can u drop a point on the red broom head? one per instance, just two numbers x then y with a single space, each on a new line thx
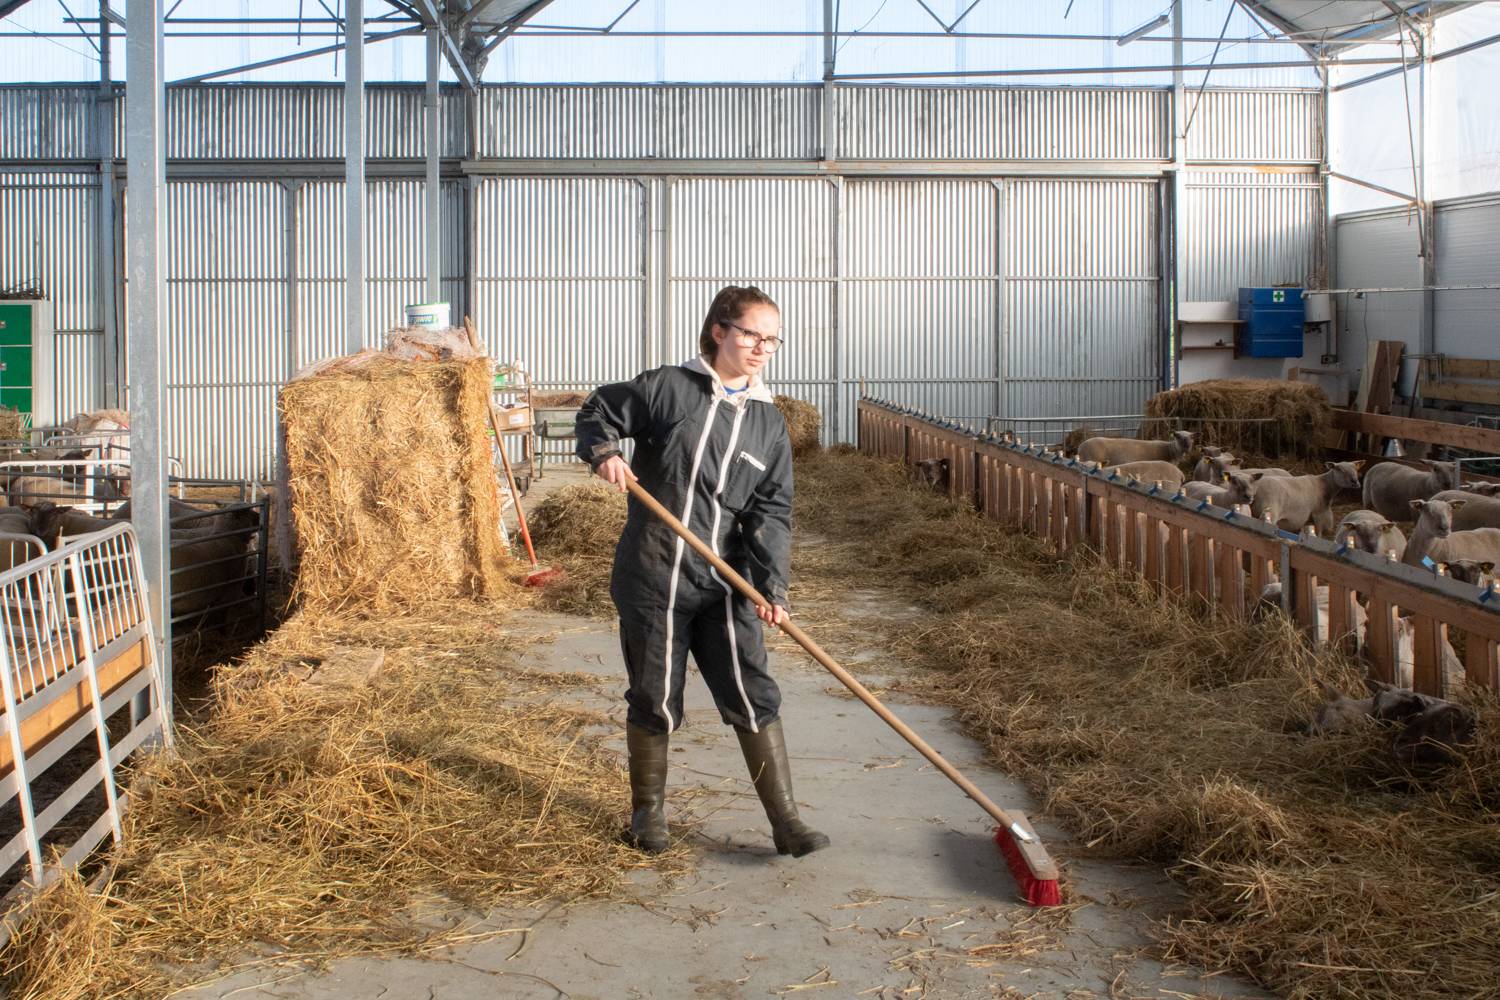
1038 891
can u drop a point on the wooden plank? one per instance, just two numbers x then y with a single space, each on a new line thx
72 706
1460 392
1381 640
1132 542
1340 617
1198 567
1382 386
1155 539
1482 439
1059 515
1481 661
1427 669
1175 550
1466 368
1305 603
1231 580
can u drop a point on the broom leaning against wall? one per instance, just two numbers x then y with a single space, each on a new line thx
711 445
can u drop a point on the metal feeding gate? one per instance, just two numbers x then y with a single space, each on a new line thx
1205 555
82 690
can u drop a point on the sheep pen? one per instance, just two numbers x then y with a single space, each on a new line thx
391 484
1158 734
303 822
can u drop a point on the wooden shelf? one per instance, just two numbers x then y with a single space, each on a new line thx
1209 347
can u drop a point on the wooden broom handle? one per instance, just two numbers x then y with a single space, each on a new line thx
861 692
500 446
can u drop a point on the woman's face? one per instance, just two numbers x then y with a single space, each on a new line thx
735 359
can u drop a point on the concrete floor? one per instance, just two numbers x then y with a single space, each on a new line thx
912 900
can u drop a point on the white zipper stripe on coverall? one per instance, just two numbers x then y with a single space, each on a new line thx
687 514
734 647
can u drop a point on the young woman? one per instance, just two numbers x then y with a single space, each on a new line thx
712 447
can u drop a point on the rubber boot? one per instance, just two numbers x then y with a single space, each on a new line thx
648 789
765 754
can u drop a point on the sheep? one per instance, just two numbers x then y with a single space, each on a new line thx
1238 489
1118 451
1271 472
933 473
1372 533
1391 487
185 515
1149 471
1470 570
208 571
52 523
1479 510
1212 467
1432 737
1270 599
1339 712
1434 538
1295 501
26 491
1406 657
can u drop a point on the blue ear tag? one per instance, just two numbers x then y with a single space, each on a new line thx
1427 561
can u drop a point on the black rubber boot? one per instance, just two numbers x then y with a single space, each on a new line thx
648 789
765 753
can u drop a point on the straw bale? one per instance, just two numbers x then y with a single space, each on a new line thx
803 424
392 486
10 424
293 828
1311 864
577 528
1299 413
558 400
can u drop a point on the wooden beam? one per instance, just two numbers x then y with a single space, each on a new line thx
1460 392
1431 431
1467 368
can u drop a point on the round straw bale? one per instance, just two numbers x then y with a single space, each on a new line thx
803 424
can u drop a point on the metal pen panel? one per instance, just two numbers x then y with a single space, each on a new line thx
1256 126
1247 228
47 123
1014 123
1082 296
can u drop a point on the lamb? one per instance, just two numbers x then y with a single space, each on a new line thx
1372 533
1434 537
1270 599
206 570
1479 510
1118 451
52 523
1406 657
931 472
1391 487
1294 501
1149 471
1212 467
1470 570
1239 489
1433 736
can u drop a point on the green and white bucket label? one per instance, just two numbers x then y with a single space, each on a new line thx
1278 296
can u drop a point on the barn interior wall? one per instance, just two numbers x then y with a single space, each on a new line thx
973 251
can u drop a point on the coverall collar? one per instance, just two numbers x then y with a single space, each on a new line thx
755 390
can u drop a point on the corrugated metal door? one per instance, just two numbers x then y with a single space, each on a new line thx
1082 297
923 287
778 234
1379 250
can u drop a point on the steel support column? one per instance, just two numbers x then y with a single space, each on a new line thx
1424 192
1179 203
105 233
434 191
354 177
830 55
145 110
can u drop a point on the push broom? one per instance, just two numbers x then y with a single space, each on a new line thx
538 575
1034 870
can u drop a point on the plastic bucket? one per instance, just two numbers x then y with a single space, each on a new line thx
429 314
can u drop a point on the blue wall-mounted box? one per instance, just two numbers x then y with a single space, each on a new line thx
1270 323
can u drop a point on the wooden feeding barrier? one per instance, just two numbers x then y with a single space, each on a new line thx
1208 556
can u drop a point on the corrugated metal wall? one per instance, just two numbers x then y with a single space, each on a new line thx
1250 227
969 295
1468 253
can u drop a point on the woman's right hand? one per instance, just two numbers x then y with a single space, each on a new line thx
614 471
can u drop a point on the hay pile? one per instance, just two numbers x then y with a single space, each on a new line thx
557 400
1299 411
803 424
11 427
296 827
577 528
392 486
1154 734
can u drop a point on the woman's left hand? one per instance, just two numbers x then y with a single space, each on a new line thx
773 614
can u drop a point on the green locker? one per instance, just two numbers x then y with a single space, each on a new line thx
26 359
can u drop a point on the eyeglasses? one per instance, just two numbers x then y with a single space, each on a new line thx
750 338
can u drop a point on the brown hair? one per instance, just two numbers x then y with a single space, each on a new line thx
729 305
